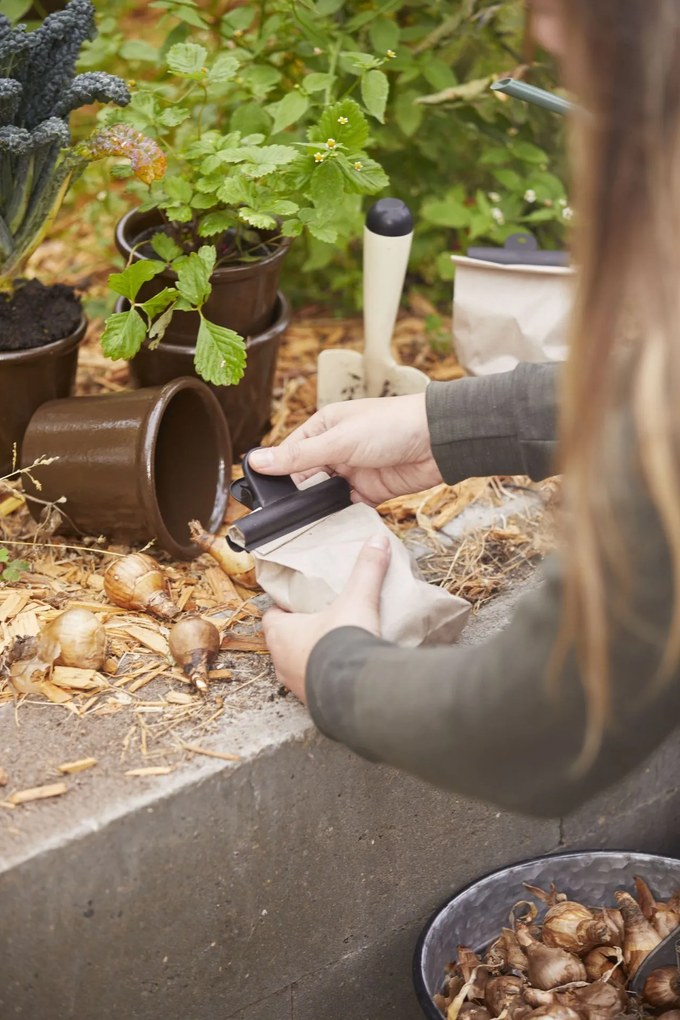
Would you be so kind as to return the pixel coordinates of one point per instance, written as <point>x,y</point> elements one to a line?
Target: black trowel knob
<point>390,217</point>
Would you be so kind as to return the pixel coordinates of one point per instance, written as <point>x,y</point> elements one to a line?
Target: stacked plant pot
<point>245,298</point>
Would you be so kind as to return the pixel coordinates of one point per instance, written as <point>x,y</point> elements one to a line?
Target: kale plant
<point>39,89</point>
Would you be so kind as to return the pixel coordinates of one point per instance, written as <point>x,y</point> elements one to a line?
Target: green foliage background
<point>472,167</point>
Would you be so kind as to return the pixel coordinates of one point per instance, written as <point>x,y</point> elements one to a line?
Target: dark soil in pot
<point>35,315</point>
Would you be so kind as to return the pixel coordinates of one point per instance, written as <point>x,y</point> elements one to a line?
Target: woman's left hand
<point>292,636</point>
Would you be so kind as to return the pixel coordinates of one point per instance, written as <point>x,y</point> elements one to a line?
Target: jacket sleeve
<point>490,721</point>
<point>503,424</point>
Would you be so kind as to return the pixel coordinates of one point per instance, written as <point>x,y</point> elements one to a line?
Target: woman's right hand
<point>381,446</point>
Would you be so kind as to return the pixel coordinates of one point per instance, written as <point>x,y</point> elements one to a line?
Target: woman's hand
<point>292,636</point>
<point>382,447</point>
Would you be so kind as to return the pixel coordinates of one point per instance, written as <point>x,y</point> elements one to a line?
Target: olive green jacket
<point>484,720</point>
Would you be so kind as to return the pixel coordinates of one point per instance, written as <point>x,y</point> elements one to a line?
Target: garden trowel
<point>347,375</point>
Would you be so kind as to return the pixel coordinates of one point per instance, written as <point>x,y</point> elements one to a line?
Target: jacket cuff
<point>333,669</point>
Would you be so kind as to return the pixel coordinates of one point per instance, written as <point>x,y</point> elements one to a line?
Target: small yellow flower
<point>319,157</point>
<point>343,120</point>
<point>238,33</point>
<point>330,143</point>
<point>317,51</point>
<point>358,165</point>
<point>390,54</point>
<point>131,83</point>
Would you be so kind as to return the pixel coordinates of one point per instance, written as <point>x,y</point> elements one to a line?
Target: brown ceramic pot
<point>243,297</point>
<point>30,378</point>
<point>247,405</point>
<point>135,465</point>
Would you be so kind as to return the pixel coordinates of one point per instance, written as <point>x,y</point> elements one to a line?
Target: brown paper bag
<point>504,314</point>
<point>305,571</point>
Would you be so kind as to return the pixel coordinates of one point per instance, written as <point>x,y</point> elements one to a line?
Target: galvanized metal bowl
<point>475,915</point>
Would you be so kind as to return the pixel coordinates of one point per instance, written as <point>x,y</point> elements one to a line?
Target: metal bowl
<point>475,915</point>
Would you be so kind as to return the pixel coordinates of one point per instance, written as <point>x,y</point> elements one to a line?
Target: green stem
<point>23,184</point>
<point>6,243</point>
<point>335,55</point>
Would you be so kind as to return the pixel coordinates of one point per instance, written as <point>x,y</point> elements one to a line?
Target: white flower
<point>530,195</point>
<point>498,216</point>
<point>567,213</point>
<point>494,196</point>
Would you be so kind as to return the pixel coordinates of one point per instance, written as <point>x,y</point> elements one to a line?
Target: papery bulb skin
<point>240,566</point>
<point>193,643</point>
<point>601,961</point>
<point>555,1012</point>
<point>599,1001</point>
<point>550,967</point>
<point>501,991</point>
<point>561,925</point>
<point>137,582</point>
<point>81,639</point>
<point>640,937</point>
<point>662,988</point>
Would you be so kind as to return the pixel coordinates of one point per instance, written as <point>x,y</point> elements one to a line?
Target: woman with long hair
<point>584,682</point>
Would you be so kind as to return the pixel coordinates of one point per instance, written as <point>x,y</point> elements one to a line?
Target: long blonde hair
<point>625,347</point>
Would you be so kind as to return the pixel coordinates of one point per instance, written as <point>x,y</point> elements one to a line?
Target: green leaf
<point>384,35</point>
<point>282,207</point>
<point>323,232</point>
<point>375,88</point>
<point>450,213</point>
<point>123,335</point>
<point>223,68</point>
<point>316,82</point>
<point>445,266</point>
<point>220,354</point>
<point>353,134</point>
<point>364,179</point>
<point>178,188</point>
<point>327,183</point>
<point>137,49</point>
<point>173,116</point>
<point>193,279</point>
<point>131,279</point>
<point>159,302</point>
<point>234,191</point>
<point>208,256</point>
<point>529,153</point>
<point>237,20</point>
<point>288,110</point>
<point>216,223</point>
<point>159,326</point>
<point>250,118</point>
<point>326,7</point>
<point>14,568</point>
<point>256,219</point>
<point>164,246</point>
<point>186,58</point>
<point>407,113</point>
<point>438,73</point>
<point>15,9</point>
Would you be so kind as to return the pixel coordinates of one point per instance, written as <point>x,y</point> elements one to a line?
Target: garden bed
<point>140,712</point>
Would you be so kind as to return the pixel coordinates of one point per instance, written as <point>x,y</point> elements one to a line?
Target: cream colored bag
<point>305,571</point>
<point>504,314</point>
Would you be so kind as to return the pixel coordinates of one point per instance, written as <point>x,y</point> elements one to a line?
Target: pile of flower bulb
<point>573,965</point>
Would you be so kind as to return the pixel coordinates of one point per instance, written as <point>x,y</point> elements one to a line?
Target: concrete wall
<point>291,886</point>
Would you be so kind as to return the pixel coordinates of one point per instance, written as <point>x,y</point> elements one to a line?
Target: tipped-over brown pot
<point>136,465</point>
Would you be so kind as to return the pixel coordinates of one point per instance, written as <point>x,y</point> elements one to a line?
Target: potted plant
<point>204,248</point>
<point>40,327</point>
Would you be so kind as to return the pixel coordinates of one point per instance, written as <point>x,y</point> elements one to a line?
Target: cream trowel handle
<point>387,245</point>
